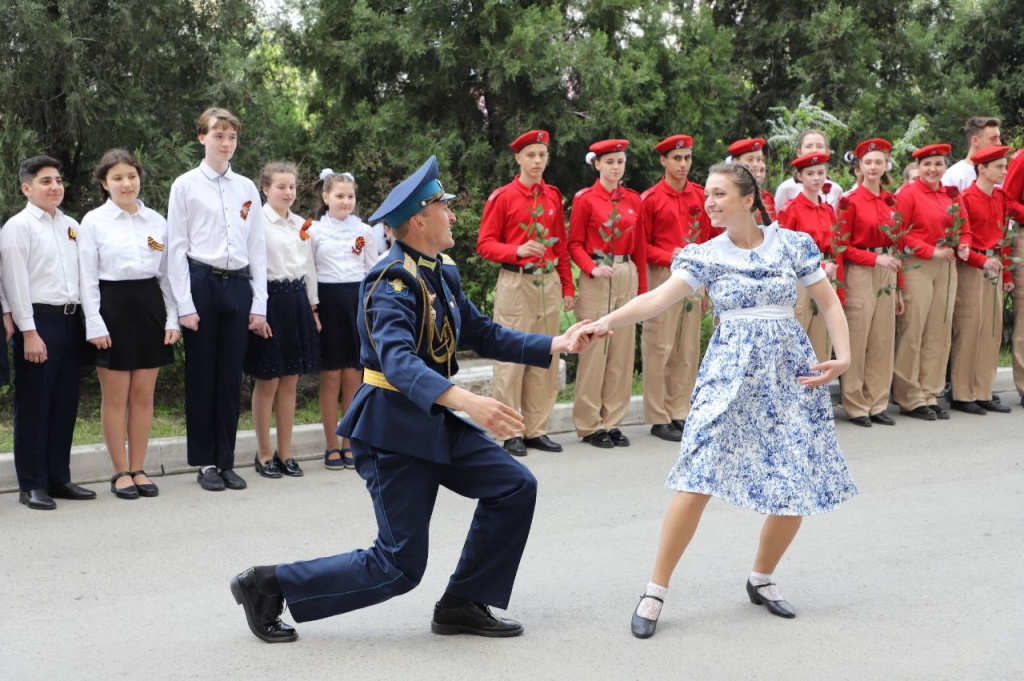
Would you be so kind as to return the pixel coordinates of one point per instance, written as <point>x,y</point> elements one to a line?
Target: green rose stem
<point>538,232</point>
<point>951,240</point>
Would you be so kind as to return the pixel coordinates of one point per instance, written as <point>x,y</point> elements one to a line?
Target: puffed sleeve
<point>691,267</point>
<point>806,259</point>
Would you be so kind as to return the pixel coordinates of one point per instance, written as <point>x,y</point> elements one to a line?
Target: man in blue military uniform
<point>407,442</point>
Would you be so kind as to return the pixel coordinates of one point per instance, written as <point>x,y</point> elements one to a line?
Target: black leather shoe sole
<point>452,629</point>
<point>236,591</point>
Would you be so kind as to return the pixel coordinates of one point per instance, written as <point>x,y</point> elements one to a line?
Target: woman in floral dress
<point>761,432</point>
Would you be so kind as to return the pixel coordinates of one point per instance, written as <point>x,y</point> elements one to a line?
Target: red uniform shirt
<point>801,215</point>
<point>1013,186</point>
<point>926,212</point>
<point>861,218</point>
<point>988,216</point>
<point>590,210</point>
<point>672,220</point>
<point>501,234</point>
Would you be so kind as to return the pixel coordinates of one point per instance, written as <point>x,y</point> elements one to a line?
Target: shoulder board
<point>497,192</point>
<point>447,260</point>
<point>648,192</point>
<point>409,265</point>
<point>582,192</point>
<point>556,191</point>
<point>787,206</point>
<point>699,187</point>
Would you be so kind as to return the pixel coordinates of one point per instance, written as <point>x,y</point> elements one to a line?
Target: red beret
<point>876,144</point>
<point>932,150</point>
<point>741,147</point>
<point>609,146</point>
<point>808,160</point>
<point>528,138</point>
<point>674,142</point>
<point>989,154</point>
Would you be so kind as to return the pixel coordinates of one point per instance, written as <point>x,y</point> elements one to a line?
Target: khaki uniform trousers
<point>521,303</point>
<point>872,321</point>
<point>604,380</point>
<point>813,323</point>
<point>977,332</point>
<point>923,338</point>
<point>670,346</point>
<point>1017,338</point>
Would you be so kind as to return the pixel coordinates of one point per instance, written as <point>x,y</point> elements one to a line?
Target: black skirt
<point>339,337</point>
<point>134,313</point>
<point>294,348</point>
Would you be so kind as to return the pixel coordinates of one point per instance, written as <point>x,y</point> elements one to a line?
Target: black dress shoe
<point>992,405</point>
<point>70,490</point>
<point>599,438</point>
<point>617,438</point>
<point>666,431</point>
<point>777,608</point>
<point>883,419</point>
<point>210,480</point>
<point>472,618</point>
<point>129,492</point>
<point>232,480</point>
<point>37,499</point>
<point>262,612</point>
<point>967,408</point>
<point>679,424</point>
<point>543,443</point>
<point>922,412</point>
<point>289,466</point>
<point>862,421</point>
<point>268,469</point>
<point>940,413</point>
<point>146,489</point>
<point>641,626</point>
<point>515,446</point>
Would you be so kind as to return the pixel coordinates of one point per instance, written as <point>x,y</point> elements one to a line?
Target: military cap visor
<point>412,195</point>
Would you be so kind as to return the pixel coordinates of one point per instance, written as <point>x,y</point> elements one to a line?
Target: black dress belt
<point>66,310</point>
<point>525,269</point>
<point>220,272</point>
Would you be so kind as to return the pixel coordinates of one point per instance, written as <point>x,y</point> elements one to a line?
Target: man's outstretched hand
<point>566,343</point>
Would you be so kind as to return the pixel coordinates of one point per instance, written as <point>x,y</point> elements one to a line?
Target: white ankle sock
<point>769,593</point>
<point>650,608</point>
<point>208,468</point>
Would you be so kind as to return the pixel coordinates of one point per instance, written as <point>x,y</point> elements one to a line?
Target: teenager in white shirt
<point>981,132</point>
<point>294,349</point>
<point>809,142</point>
<point>218,271</point>
<point>344,250</point>
<point>130,315</point>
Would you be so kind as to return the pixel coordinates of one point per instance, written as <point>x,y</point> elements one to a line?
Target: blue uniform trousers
<point>46,402</point>
<point>213,366</point>
<point>404,490</point>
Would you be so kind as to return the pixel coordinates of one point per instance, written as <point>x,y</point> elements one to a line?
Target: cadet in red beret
<point>935,236</point>
<point>613,270</point>
<point>535,278</point>
<point>750,152</point>
<point>672,216</point>
<point>981,281</point>
<point>866,228</point>
<point>811,214</point>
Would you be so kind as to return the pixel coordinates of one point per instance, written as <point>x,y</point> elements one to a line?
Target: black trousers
<point>213,367</point>
<point>46,402</point>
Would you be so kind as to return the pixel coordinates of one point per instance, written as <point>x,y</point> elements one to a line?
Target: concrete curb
<point>166,456</point>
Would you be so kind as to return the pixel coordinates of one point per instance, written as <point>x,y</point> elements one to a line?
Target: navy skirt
<point>339,337</point>
<point>294,348</point>
<point>134,313</point>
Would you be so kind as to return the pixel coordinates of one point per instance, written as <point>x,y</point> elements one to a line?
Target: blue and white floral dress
<point>755,437</point>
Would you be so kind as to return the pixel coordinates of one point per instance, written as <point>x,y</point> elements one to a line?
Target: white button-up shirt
<point>40,262</point>
<point>114,245</point>
<point>960,175</point>
<point>215,219</point>
<point>288,256</point>
<point>337,255</point>
<point>790,189</point>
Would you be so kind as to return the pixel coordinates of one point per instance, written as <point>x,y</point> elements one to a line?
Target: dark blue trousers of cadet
<point>213,367</point>
<point>46,402</point>
<point>404,490</point>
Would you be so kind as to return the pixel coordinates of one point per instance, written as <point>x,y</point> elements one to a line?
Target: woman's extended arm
<point>828,305</point>
<point>640,308</point>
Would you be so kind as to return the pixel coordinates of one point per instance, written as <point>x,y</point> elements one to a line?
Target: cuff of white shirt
<point>172,324</point>
<point>186,309</point>
<point>95,330</point>
<point>25,323</point>
<point>259,308</point>
<point>315,301</point>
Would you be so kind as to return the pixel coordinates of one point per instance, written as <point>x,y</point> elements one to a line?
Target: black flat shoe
<point>70,490</point>
<point>146,489</point>
<point>777,608</point>
<point>923,413</point>
<point>966,407</point>
<point>515,446</point>
<point>543,443</point>
<point>666,431</point>
<point>130,492</point>
<point>599,439</point>
<point>210,480</point>
<point>862,421</point>
<point>37,499</point>
<point>641,626</point>
<point>618,439</point>
<point>940,413</point>
<point>289,466</point>
<point>263,613</point>
<point>268,469</point>
<point>232,480</point>
<point>679,424</point>
<point>992,405</point>
<point>883,419</point>
<point>472,618</point>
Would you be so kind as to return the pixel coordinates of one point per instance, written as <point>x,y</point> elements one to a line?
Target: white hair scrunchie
<point>590,158</point>
<point>325,173</point>
<point>729,160</point>
<point>888,165</point>
<point>849,156</point>
<point>348,177</point>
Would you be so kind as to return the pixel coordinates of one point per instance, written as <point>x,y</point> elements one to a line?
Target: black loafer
<point>777,608</point>
<point>543,443</point>
<point>233,480</point>
<point>618,439</point>
<point>289,466</point>
<point>666,431</point>
<point>992,405</point>
<point>883,419</point>
<point>940,413</point>
<point>641,626</point>
<point>147,489</point>
<point>515,446</point>
<point>679,424</point>
<point>923,413</point>
<point>599,439</point>
<point>129,492</point>
<point>262,612</point>
<point>70,490</point>
<point>863,421</point>
<point>268,469</point>
<point>967,407</point>
<point>37,499</point>
<point>472,618</point>
<point>210,480</point>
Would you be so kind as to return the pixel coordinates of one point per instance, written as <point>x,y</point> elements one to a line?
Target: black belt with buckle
<point>67,310</point>
<point>525,269</point>
<point>220,272</point>
<point>878,251</point>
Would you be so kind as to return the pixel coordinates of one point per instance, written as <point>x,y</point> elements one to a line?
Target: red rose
<point>890,200</point>
<point>536,189</point>
<point>616,195</point>
<point>826,188</point>
<point>952,192</point>
<point>694,212</point>
<point>844,203</point>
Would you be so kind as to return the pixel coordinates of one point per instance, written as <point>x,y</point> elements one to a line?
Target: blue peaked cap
<point>412,195</point>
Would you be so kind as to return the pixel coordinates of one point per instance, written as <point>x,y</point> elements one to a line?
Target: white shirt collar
<point>212,174</point>
<point>766,246</point>
<point>38,213</point>
<point>115,211</point>
<point>273,217</point>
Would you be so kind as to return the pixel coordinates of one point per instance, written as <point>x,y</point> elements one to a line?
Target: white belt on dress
<point>762,312</point>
